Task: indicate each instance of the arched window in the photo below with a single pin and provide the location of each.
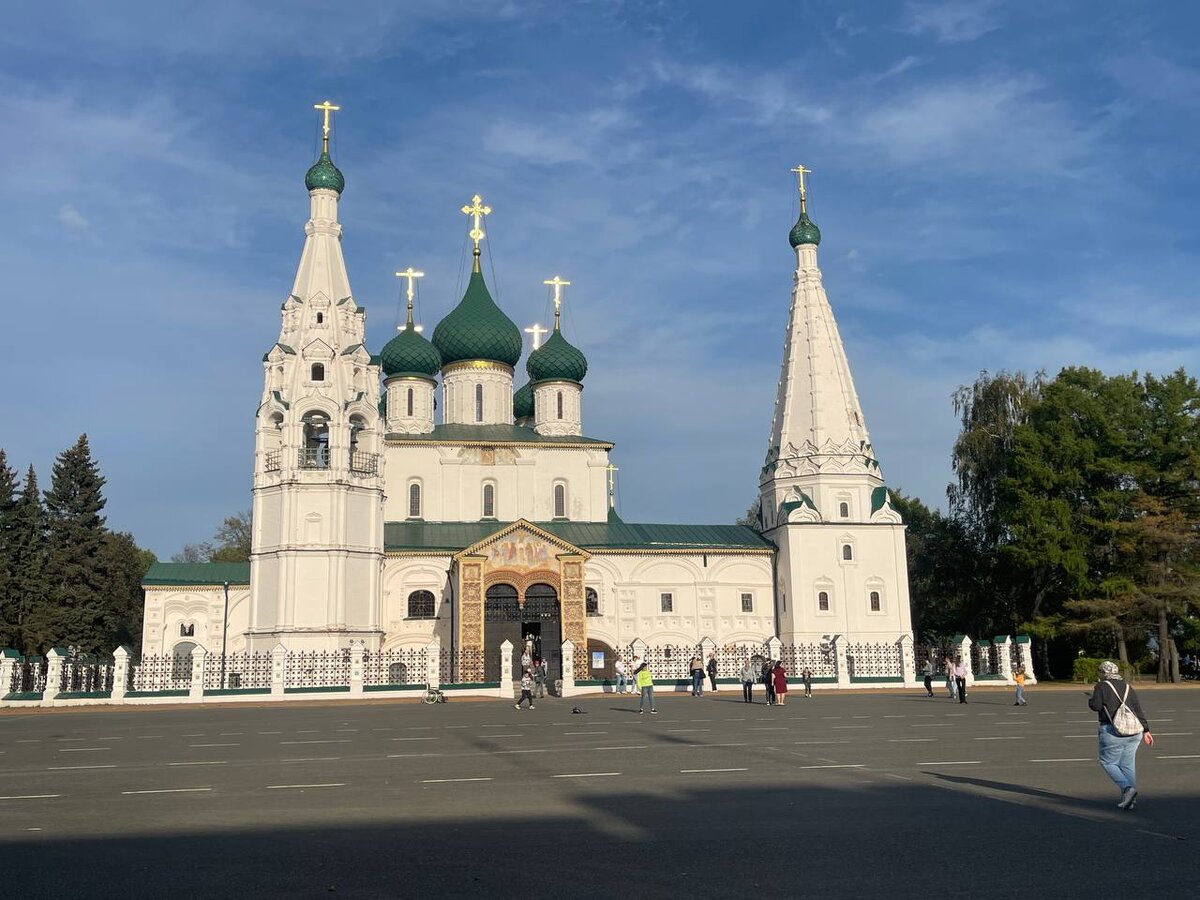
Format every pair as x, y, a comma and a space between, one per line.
489, 501
414, 501
591, 601
844, 510
876, 603
315, 453
318, 371
320, 318
560, 415
410, 401
421, 605
479, 403
560, 501
847, 551
823, 601
188, 630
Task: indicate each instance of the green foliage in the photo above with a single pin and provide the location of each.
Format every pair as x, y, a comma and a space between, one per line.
8, 504
230, 544
1086, 669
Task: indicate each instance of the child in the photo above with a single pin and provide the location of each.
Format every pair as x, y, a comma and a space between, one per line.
806, 676
1019, 678
526, 690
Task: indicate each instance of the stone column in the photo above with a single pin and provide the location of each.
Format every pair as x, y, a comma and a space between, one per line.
357, 650
843, 664
278, 666
433, 663
964, 653
196, 691
470, 619
120, 673
908, 661
56, 667
568, 661
1025, 650
1004, 657
574, 613
8, 663
505, 691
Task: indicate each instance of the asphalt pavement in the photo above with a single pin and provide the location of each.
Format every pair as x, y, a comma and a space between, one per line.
881, 794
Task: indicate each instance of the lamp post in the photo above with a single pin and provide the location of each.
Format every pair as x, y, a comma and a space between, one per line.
224, 633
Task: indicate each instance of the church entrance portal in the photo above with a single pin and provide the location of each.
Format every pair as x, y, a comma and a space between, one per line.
533, 626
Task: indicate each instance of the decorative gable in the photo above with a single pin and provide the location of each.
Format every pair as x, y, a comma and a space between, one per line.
522, 545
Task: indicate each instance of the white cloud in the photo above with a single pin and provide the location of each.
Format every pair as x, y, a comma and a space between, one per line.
72, 219
952, 21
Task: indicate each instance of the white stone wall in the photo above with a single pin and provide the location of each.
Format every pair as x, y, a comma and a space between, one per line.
458, 394
546, 406
398, 419
167, 608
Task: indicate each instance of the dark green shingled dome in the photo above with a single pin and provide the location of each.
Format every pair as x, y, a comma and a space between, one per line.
324, 174
523, 402
477, 329
408, 353
805, 231
556, 360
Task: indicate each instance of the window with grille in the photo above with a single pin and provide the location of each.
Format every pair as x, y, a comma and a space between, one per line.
560, 405
823, 601
666, 602
318, 372
844, 510
747, 603
847, 551
421, 605
876, 603
410, 401
414, 501
489, 501
592, 601
560, 501
479, 403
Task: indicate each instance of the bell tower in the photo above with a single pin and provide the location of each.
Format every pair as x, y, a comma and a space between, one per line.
317, 551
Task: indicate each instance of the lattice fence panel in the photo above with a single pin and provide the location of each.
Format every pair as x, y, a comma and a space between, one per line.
672, 660
874, 660
317, 668
460, 666
938, 652
981, 659
732, 657
243, 669
163, 673
400, 665
29, 676
87, 675
821, 658
1014, 656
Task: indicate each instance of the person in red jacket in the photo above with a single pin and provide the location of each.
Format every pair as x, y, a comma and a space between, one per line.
779, 680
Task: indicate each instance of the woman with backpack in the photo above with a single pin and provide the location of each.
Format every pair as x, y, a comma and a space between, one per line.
1123, 727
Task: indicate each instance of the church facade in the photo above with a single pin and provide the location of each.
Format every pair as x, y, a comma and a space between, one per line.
420, 493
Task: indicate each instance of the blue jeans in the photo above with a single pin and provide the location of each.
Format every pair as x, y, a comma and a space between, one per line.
698, 682
1021, 693
620, 683
647, 695
1118, 756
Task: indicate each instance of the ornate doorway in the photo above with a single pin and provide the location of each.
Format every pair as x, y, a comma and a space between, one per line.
532, 622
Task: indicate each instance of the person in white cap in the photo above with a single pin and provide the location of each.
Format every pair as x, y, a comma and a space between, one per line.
1123, 728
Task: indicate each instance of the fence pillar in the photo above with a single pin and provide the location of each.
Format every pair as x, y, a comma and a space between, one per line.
505, 691
1025, 651
963, 643
357, 651
775, 648
568, 664
199, 659
908, 661
8, 664
56, 668
120, 673
278, 668
639, 648
433, 664
843, 662
1003, 657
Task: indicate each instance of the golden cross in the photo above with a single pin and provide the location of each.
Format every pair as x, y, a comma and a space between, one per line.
558, 284
612, 471
800, 173
410, 273
326, 107
537, 329
476, 211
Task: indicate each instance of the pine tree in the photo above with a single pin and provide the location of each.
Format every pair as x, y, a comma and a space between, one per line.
82, 616
28, 584
8, 504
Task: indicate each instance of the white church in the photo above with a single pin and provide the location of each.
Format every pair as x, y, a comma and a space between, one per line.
387, 515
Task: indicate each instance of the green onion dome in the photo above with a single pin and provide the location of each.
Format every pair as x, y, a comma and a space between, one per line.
805, 231
523, 402
324, 174
477, 329
556, 360
408, 353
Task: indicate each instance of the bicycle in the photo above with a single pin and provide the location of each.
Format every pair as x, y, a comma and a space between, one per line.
433, 695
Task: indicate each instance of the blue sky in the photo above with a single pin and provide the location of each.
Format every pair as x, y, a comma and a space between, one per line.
998, 186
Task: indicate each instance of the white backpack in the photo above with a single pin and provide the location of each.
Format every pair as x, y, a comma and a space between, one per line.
1125, 723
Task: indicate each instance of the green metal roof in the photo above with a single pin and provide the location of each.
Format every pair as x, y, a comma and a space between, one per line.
805, 231
879, 497
409, 353
197, 573
492, 434
594, 536
523, 401
324, 174
556, 360
477, 329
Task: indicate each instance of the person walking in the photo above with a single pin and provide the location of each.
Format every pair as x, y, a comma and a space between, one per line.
769, 681
1123, 728
779, 677
539, 677
712, 670
806, 677
619, 669
951, 688
526, 690
749, 676
929, 676
960, 680
697, 670
1019, 678
645, 684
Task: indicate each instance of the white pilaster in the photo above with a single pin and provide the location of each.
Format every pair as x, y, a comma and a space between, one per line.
196, 689
1025, 650
568, 667
357, 650
505, 691
56, 669
120, 673
278, 669
433, 663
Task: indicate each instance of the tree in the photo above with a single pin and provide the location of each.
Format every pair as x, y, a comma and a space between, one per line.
124, 565
28, 582
8, 599
194, 553
751, 519
233, 539
80, 612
